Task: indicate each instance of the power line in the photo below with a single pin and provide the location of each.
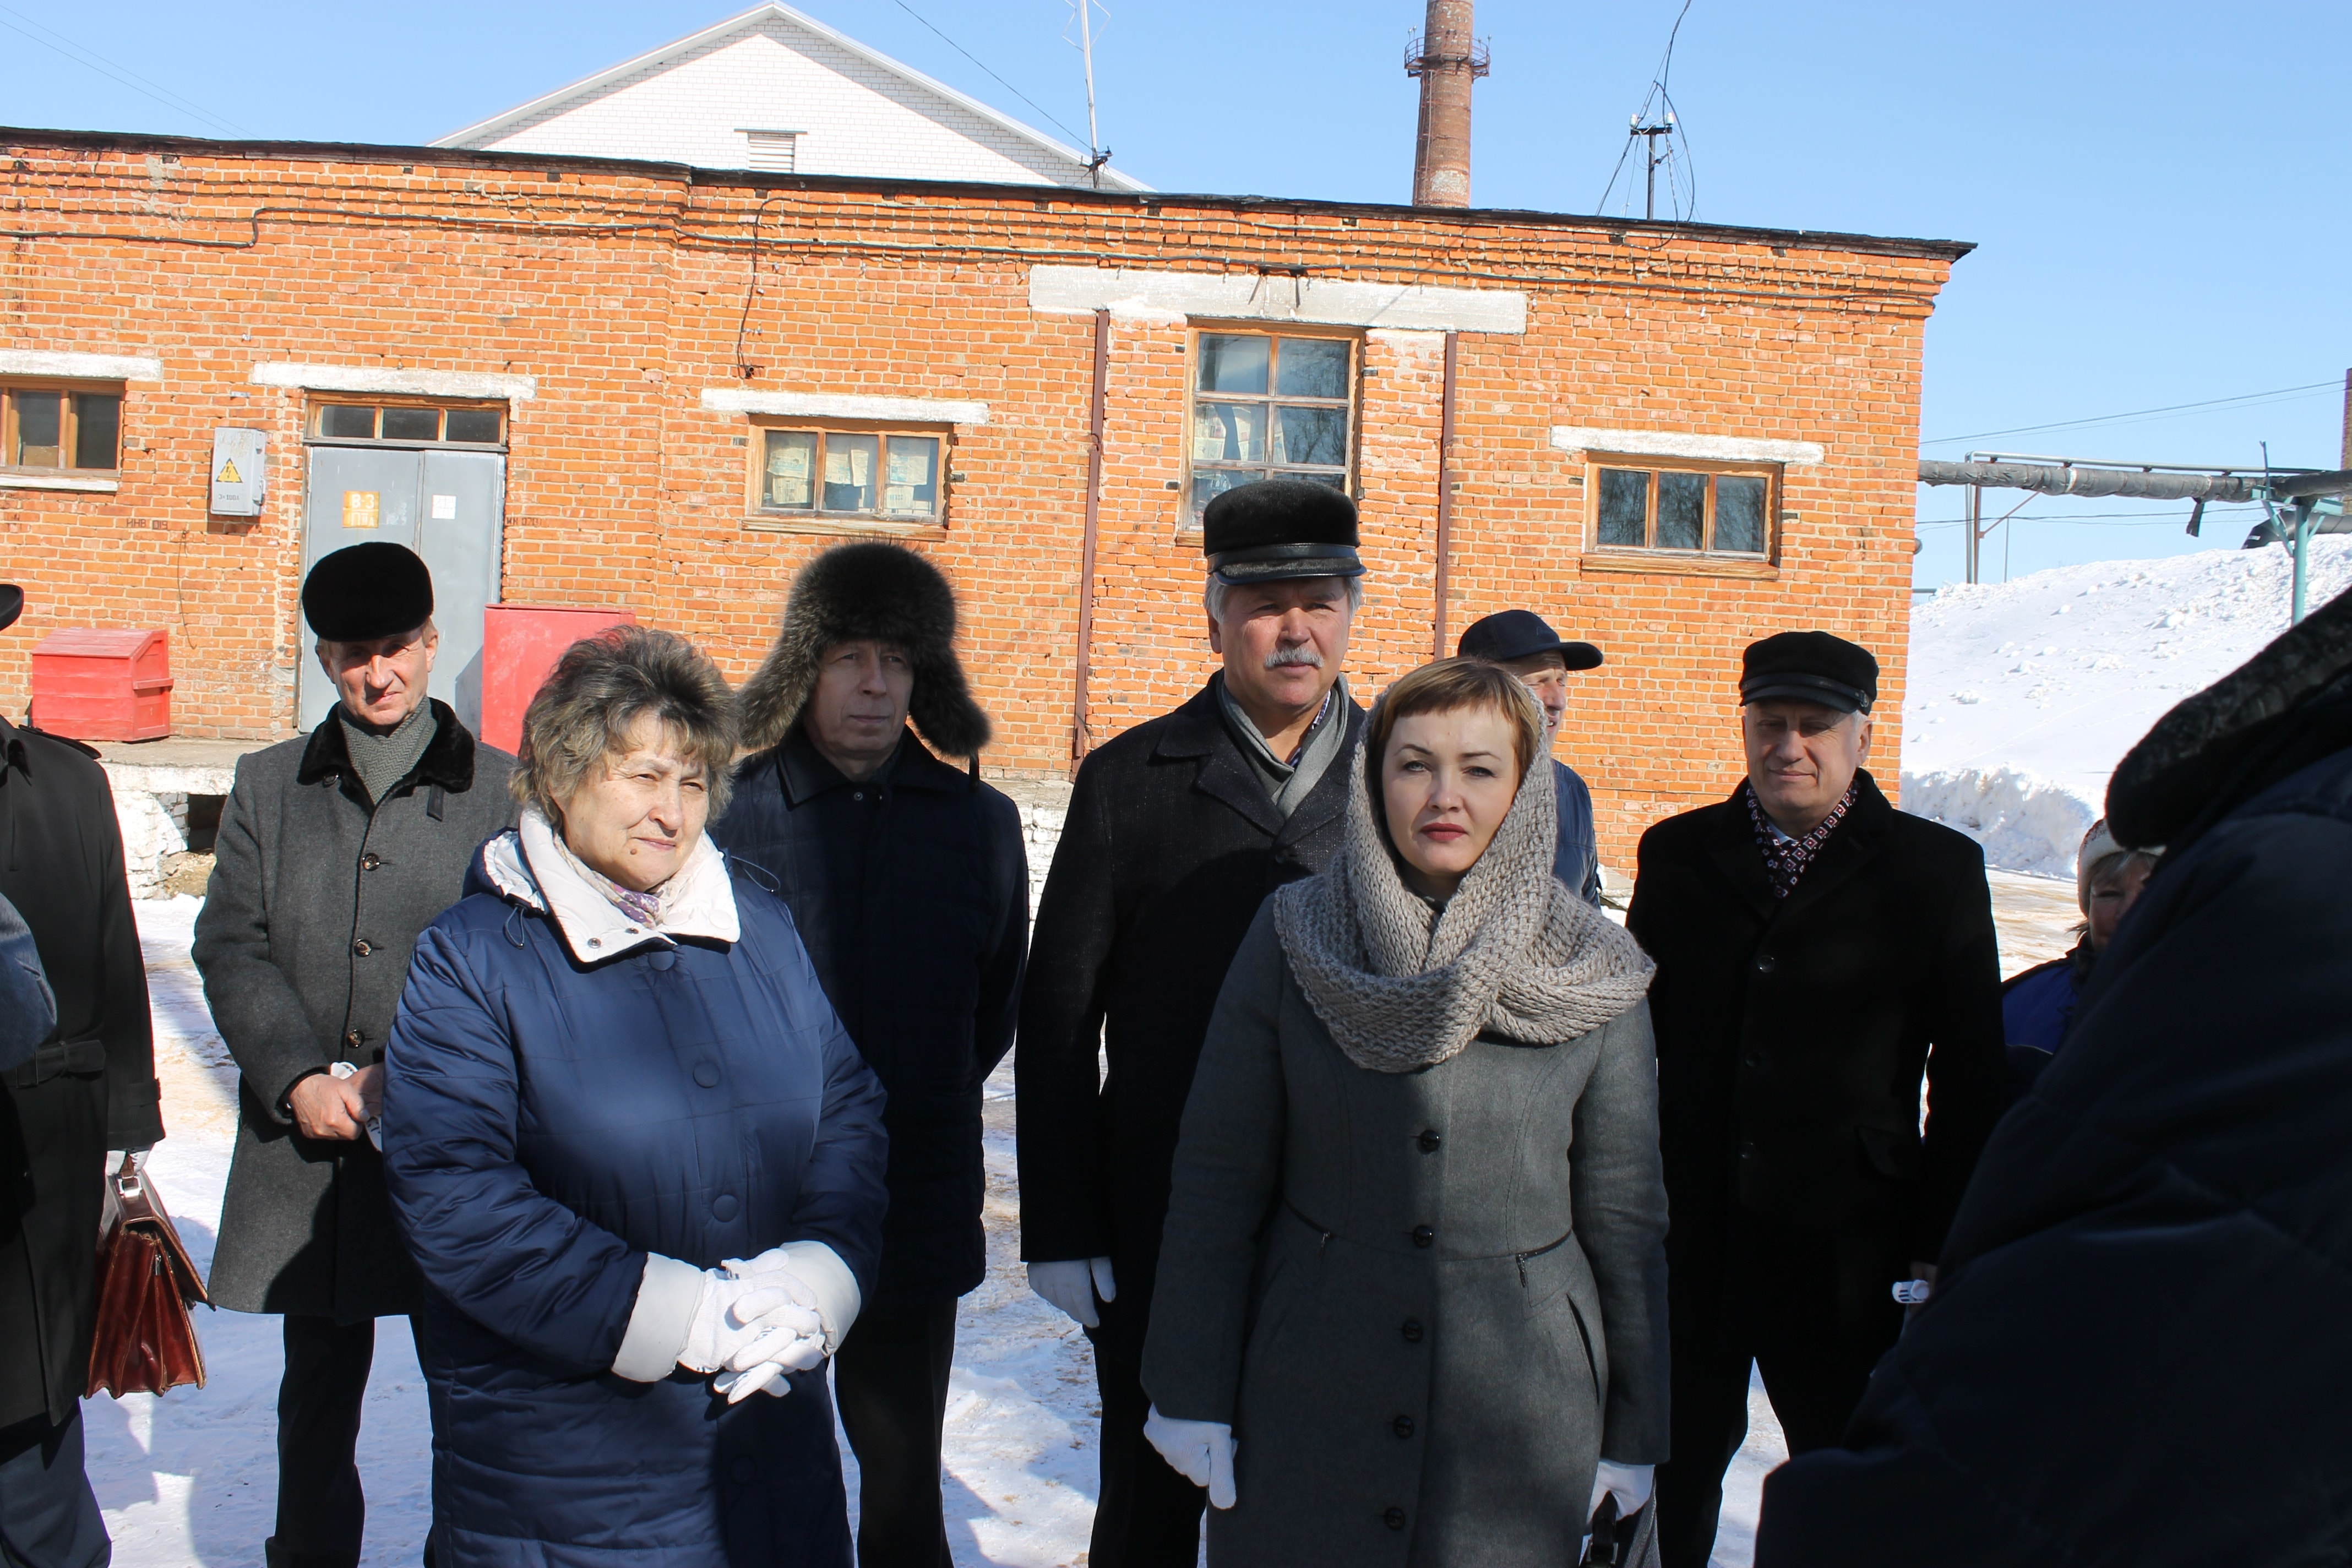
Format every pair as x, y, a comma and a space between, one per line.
90, 60
2282, 392
1000, 81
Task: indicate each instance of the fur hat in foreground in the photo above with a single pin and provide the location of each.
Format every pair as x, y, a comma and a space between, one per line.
851, 593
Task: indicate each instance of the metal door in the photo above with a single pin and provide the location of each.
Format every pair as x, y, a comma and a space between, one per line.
448, 506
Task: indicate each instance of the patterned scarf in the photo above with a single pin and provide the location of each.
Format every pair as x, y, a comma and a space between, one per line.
1785, 859
642, 908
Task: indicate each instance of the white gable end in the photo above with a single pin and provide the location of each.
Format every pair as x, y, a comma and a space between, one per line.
774, 90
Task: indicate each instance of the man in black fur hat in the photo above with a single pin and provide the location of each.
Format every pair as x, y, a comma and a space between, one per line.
335, 851
910, 888
86, 1085
2135, 1353
1818, 952
1177, 831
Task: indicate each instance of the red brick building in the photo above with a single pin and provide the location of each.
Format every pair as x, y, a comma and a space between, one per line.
591, 382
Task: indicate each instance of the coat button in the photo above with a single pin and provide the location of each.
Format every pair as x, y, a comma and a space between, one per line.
724, 1207
707, 1074
353, 1039
371, 860
1412, 1331
1766, 963
662, 959
1429, 1141
1747, 1150
362, 948
1402, 1426
1423, 1236
1393, 1518
1754, 1058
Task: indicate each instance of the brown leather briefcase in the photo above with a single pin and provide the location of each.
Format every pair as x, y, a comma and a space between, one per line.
146, 1340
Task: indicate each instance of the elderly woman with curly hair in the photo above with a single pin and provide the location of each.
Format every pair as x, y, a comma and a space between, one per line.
1411, 1296
637, 1159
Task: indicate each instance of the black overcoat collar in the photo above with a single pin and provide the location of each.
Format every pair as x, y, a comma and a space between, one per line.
447, 761
805, 774
1197, 731
1732, 846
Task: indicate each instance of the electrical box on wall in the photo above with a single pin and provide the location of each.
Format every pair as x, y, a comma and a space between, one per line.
240, 471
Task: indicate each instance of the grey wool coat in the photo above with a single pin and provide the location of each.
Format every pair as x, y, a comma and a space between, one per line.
316, 902
1427, 1302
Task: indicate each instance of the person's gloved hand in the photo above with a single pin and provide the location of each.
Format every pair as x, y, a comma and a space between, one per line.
1630, 1484
734, 1315
1200, 1451
1072, 1286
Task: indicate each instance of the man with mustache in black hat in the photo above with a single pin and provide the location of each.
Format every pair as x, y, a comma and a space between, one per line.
1818, 952
335, 851
1523, 643
1177, 831
87, 1088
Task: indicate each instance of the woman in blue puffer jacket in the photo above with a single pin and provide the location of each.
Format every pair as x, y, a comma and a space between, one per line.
636, 1155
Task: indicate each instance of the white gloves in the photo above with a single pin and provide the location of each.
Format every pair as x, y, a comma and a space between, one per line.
1199, 1451
1072, 1286
749, 1322
1629, 1483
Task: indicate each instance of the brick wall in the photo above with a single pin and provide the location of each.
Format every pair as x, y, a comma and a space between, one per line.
622, 289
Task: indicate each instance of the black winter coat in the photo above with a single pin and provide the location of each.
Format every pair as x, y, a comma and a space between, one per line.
1170, 847
315, 904
2136, 1356
1792, 1032
911, 894
90, 1086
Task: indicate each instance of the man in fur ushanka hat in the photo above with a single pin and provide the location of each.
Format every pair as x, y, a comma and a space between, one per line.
908, 881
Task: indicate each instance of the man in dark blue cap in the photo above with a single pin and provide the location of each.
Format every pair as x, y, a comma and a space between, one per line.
335, 851
1177, 831
1817, 953
1521, 642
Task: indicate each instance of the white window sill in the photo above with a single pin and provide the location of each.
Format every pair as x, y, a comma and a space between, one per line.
92, 485
1678, 563
892, 528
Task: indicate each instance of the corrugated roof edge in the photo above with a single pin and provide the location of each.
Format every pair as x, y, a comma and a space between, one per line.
379, 153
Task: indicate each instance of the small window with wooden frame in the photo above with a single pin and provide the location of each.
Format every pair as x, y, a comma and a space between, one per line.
407, 422
1682, 514
1269, 405
846, 477
68, 427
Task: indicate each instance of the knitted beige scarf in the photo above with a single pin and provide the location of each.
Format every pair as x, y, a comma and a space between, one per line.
1403, 986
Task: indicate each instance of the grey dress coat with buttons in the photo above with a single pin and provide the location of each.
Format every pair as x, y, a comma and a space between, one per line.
317, 899
1427, 1302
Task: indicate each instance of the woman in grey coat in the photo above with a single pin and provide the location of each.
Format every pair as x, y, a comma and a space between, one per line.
1412, 1301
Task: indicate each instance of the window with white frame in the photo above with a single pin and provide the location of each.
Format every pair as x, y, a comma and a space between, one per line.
1269, 406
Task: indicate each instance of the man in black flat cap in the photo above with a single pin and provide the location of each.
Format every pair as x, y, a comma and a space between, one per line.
1177, 831
334, 852
85, 1085
1524, 644
1818, 952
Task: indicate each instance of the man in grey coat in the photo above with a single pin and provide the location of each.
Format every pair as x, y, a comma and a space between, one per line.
335, 851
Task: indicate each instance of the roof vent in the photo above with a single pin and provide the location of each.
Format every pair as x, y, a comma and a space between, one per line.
773, 151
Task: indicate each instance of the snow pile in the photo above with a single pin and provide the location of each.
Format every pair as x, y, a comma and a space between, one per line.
2024, 695
2025, 822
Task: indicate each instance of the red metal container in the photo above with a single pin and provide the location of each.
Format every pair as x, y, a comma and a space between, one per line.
103, 685
521, 644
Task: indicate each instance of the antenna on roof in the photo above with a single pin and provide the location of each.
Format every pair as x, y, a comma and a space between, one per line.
1654, 121
1097, 153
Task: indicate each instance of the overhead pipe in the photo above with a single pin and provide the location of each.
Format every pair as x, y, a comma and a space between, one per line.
2070, 480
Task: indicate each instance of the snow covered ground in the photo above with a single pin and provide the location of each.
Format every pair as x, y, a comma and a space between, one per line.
2026, 695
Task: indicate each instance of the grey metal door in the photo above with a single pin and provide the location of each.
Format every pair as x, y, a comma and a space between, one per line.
448, 506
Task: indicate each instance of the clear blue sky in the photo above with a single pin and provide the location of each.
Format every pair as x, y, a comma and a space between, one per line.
2160, 192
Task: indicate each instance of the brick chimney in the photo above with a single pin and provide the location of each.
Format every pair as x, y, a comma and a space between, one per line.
1447, 60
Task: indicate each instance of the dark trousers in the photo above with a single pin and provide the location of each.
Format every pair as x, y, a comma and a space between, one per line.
891, 1379
321, 1513
1146, 1516
1813, 1311
48, 1518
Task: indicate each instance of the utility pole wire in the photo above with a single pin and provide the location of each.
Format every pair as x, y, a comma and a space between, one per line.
1000, 81
90, 59
1672, 130
2283, 392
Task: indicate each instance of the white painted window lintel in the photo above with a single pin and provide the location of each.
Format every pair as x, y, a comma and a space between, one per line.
1684, 444
843, 405
399, 383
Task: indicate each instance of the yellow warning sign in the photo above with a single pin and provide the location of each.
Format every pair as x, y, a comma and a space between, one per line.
359, 508
228, 474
